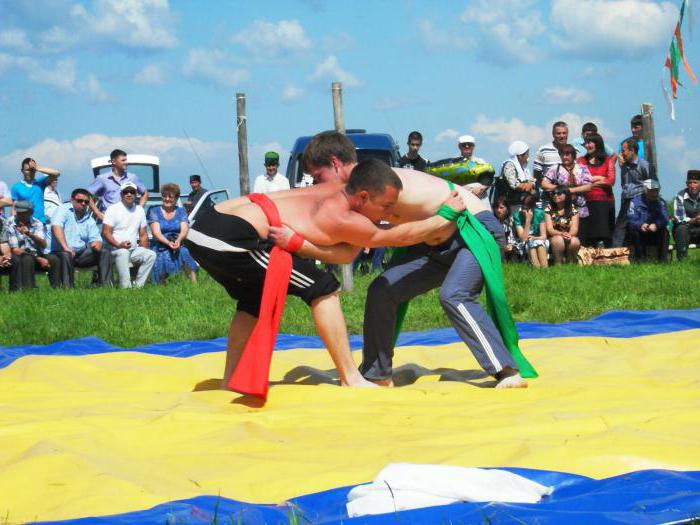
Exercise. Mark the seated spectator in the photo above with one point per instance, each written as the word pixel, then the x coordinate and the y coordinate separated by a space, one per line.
pixel 529 225
pixel 77 242
pixel 515 180
pixel 686 215
pixel 27 241
pixel 600 200
pixel 5 252
pixel 647 221
pixel 571 175
pixel 169 225
pixel 513 249
pixel 124 229
pixel 561 223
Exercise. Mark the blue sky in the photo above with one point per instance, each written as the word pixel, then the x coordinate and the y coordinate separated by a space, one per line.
pixel 82 78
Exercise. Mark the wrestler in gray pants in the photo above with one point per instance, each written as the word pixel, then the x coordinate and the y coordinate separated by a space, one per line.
pixel 454 268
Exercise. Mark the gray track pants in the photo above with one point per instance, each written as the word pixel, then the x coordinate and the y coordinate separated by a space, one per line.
pixel 454 269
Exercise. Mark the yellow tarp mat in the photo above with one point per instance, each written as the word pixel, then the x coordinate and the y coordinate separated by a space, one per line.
pixel 117 432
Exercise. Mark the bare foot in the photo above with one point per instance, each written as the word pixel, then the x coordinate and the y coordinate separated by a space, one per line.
pixel 514 381
pixel 389 382
pixel 360 382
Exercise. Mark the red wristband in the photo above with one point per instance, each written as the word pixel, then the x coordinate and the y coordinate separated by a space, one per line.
pixel 296 242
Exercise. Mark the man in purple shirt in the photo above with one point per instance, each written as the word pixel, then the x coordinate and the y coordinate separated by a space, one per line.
pixel 108 185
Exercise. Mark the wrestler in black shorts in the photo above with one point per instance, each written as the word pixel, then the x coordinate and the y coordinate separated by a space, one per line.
pixel 231 251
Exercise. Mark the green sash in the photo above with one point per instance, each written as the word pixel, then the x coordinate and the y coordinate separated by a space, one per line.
pixel 486 252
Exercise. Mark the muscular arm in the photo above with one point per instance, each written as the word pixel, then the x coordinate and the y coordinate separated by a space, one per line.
pixel 337 254
pixel 359 231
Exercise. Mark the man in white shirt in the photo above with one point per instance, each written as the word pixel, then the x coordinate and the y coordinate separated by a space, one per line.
pixel 271 181
pixel 124 229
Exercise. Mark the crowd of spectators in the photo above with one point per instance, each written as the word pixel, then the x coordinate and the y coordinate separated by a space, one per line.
pixel 103 227
pixel 548 213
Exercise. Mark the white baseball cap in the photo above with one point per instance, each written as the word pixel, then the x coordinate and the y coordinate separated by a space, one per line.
pixel 464 139
pixel 128 184
pixel 517 148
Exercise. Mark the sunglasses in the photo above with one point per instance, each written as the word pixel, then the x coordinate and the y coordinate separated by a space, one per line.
pixel 466 145
pixel 81 201
pixel 129 191
pixel 559 192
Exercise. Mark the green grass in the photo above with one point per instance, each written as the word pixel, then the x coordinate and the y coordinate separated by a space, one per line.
pixel 180 310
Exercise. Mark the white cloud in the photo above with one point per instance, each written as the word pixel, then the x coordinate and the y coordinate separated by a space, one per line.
pixel 502 131
pixel 291 93
pixel 435 38
pixel 564 95
pixel 15 39
pixel 62 76
pixel 268 41
pixel 94 90
pixel 448 134
pixel 506 131
pixel 214 67
pixel 135 24
pixel 609 29
pixel 329 69
pixel 505 31
pixel 152 74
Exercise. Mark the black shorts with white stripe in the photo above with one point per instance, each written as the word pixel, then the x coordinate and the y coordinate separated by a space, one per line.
pixel 231 251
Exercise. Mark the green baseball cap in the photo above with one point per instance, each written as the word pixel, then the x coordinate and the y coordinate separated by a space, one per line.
pixel 272 158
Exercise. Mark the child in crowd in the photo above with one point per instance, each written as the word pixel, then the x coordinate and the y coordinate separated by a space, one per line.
pixel 501 210
pixel 529 225
pixel 562 224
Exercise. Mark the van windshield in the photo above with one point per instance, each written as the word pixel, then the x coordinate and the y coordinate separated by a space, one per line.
pixel 295 170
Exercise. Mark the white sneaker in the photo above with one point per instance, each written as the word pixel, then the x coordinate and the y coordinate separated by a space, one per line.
pixel 514 381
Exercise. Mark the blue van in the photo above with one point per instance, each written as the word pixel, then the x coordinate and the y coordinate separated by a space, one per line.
pixel 380 146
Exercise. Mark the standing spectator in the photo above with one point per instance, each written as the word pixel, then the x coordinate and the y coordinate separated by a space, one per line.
pixel 27 241
pixel 412 160
pixel 647 221
pixel 633 171
pixel 466 144
pixel 52 198
pixel 686 214
pixel 637 129
pixel 77 242
pixel 548 155
pixel 503 214
pixel 571 175
pixel 600 200
pixel 529 225
pixel 169 225
pixel 31 188
pixel 5 197
pixel 588 129
pixel 124 228
pixel 515 181
pixel 561 223
pixel 196 193
pixel 107 187
pixel 272 180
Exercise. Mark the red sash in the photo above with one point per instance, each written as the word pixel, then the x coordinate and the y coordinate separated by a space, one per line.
pixel 252 373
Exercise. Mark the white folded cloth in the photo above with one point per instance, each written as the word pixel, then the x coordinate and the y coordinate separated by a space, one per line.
pixel 404 486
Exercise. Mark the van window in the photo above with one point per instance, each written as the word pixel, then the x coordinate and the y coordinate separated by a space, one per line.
pixel 145 172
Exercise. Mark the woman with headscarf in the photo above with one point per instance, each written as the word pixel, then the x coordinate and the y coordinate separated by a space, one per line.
pixel 516 180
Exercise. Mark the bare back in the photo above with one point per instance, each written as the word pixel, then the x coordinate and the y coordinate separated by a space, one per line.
pixel 423 194
pixel 313 212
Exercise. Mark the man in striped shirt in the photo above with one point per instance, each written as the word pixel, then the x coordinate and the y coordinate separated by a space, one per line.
pixel 548 155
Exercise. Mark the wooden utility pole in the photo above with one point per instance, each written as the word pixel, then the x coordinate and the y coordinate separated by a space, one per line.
pixel 242 126
pixel 649 137
pixel 337 91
